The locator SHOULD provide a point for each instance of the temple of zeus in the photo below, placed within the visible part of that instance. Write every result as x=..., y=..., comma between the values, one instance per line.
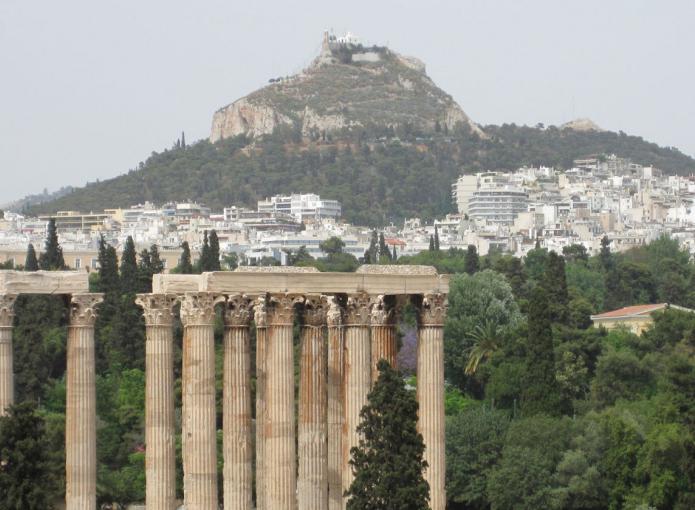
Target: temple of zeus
x=294, y=454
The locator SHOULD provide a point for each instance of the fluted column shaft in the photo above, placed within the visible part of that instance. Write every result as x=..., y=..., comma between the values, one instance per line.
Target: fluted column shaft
x=260, y=317
x=199, y=424
x=430, y=394
x=160, y=453
x=6, y=355
x=335, y=403
x=238, y=453
x=280, y=449
x=384, y=341
x=356, y=376
x=312, y=484
x=80, y=413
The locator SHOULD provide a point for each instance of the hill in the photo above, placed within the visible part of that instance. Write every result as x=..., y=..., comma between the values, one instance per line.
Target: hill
x=379, y=174
x=346, y=86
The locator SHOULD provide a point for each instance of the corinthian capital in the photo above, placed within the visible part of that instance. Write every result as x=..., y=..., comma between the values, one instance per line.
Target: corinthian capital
x=358, y=309
x=7, y=309
x=315, y=308
x=158, y=309
x=260, y=311
x=382, y=312
x=198, y=308
x=83, y=309
x=433, y=310
x=282, y=308
x=237, y=310
x=334, y=315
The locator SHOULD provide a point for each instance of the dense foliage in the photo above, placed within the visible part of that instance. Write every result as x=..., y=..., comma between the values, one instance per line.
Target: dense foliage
x=377, y=173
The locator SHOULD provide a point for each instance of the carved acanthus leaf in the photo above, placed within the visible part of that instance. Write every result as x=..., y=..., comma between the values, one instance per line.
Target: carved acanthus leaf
x=358, y=309
x=83, y=309
x=433, y=311
x=7, y=309
x=198, y=308
x=315, y=309
x=158, y=309
x=237, y=310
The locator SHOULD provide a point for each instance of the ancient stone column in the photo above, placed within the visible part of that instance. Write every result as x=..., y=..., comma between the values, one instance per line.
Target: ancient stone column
x=356, y=375
x=260, y=318
x=430, y=393
x=199, y=428
x=312, y=484
x=6, y=356
x=160, y=453
x=384, y=341
x=279, y=435
x=80, y=413
x=334, y=319
x=238, y=453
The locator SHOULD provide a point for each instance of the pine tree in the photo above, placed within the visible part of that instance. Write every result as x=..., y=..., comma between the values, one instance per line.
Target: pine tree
x=27, y=480
x=472, y=263
x=213, y=263
x=31, y=263
x=185, y=265
x=129, y=268
x=436, y=238
x=52, y=257
x=388, y=462
x=539, y=393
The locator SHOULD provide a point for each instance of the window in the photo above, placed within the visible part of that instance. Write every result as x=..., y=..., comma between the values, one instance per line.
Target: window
x=78, y=263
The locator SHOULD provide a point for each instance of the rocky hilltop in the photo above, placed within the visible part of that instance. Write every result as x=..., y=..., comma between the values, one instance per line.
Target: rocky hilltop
x=347, y=86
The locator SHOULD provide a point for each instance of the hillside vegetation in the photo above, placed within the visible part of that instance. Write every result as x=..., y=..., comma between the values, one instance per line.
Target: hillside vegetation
x=379, y=174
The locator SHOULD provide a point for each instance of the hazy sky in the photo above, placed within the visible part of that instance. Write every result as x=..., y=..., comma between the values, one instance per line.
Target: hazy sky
x=88, y=89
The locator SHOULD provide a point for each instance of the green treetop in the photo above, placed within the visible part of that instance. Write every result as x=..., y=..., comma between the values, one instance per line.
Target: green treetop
x=185, y=265
x=52, y=257
x=472, y=260
x=31, y=263
x=129, y=267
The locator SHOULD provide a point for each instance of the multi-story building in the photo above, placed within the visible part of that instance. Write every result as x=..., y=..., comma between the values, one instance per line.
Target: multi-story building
x=303, y=207
x=497, y=205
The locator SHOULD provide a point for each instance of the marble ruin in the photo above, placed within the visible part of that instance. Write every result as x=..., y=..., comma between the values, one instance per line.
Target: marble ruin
x=347, y=324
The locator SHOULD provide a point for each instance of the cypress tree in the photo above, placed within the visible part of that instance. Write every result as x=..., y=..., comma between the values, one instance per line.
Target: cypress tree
x=129, y=268
x=388, y=462
x=555, y=285
x=371, y=255
x=472, y=262
x=436, y=238
x=213, y=263
x=183, y=140
x=52, y=257
x=31, y=263
x=394, y=257
x=383, y=249
x=156, y=262
x=185, y=265
x=539, y=393
x=431, y=248
x=204, y=261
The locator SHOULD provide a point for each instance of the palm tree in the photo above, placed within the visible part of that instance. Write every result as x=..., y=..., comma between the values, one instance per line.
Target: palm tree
x=486, y=338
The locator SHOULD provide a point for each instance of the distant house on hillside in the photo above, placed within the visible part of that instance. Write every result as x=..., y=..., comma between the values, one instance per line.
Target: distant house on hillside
x=636, y=318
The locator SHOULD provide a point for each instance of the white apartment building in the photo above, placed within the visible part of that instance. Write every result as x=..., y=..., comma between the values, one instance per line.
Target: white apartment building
x=303, y=207
x=497, y=205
